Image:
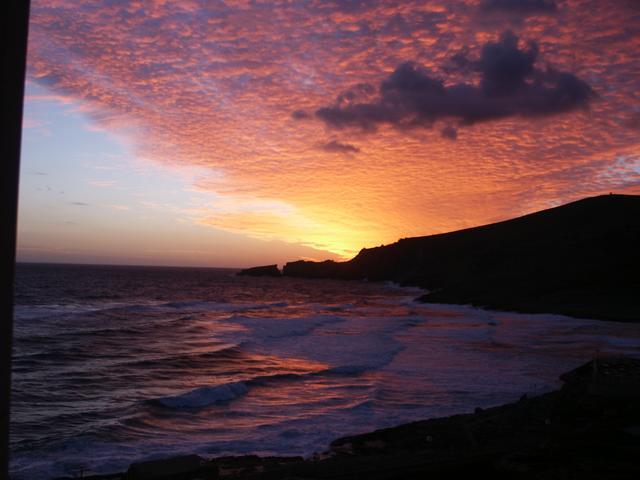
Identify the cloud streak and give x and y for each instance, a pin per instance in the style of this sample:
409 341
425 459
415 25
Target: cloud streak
523 7
339 147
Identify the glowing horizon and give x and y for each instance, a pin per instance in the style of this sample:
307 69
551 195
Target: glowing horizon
244 133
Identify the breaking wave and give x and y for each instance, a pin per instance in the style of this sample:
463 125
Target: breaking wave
205 396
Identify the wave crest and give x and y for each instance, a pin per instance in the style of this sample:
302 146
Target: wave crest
205 396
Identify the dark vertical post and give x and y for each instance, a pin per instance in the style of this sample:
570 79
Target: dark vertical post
14 24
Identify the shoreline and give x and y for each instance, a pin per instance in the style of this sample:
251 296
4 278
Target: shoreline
610 308
607 311
589 427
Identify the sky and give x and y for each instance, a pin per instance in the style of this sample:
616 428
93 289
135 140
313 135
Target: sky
213 133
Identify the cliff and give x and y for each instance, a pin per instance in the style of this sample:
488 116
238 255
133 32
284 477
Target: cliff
264 271
579 259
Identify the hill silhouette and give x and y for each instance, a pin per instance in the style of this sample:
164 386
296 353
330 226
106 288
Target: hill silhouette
580 259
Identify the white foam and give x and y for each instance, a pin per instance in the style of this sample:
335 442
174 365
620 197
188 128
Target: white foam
350 345
205 396
211 306
266 329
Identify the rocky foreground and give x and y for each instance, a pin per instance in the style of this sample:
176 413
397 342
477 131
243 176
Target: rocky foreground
589 429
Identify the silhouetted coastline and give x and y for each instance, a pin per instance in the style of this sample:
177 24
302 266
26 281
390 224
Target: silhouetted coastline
580 259
263 271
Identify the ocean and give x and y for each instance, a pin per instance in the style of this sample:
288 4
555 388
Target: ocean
120 364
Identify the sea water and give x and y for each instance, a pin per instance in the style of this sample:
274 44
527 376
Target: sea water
120 364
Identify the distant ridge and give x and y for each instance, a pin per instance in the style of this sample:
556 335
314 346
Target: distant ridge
580 259
262 271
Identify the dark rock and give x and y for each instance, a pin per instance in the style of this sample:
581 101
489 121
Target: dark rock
615 377
307 269
176 468
248 465
264 271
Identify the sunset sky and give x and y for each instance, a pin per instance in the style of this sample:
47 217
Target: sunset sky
241 133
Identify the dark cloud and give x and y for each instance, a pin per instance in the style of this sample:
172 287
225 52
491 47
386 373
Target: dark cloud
359 91
459 62
523 7
338 147
504 66
353 6
449 132
80 204
633 121
510 85
300 115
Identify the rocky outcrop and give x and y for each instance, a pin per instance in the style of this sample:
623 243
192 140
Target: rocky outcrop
264 271
165 469
308 269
